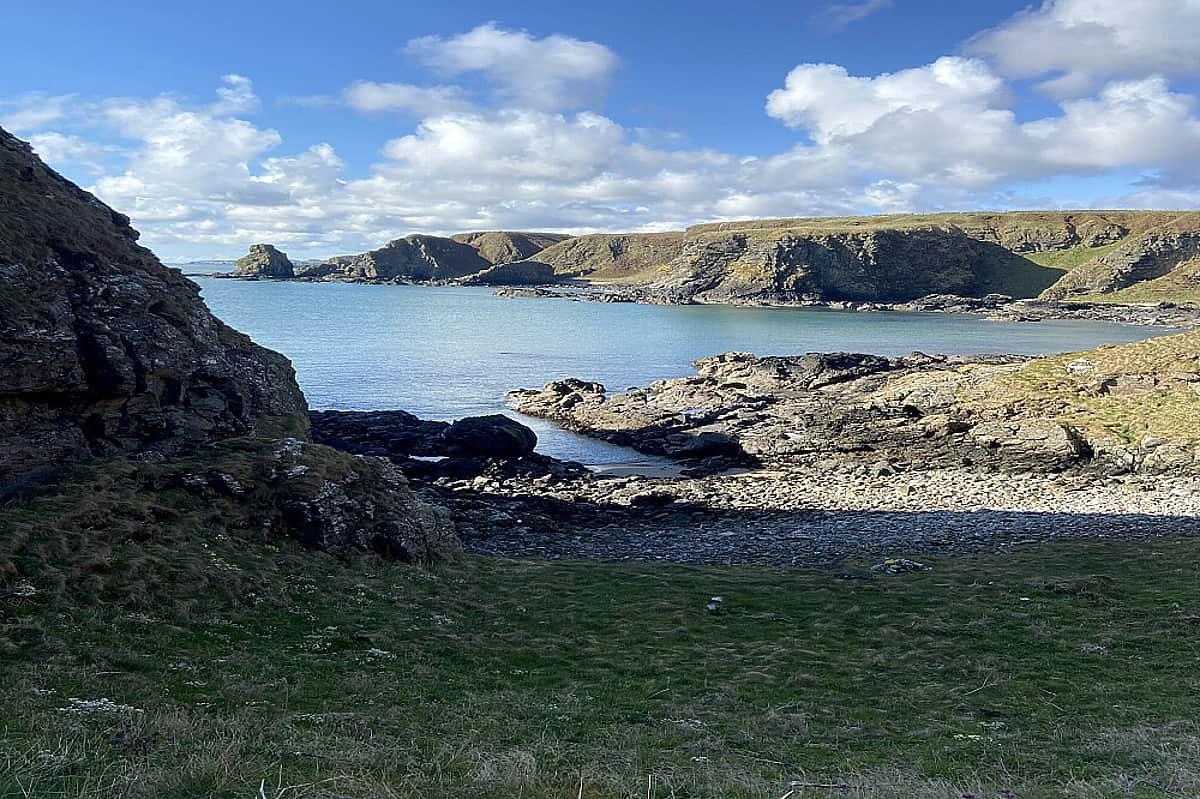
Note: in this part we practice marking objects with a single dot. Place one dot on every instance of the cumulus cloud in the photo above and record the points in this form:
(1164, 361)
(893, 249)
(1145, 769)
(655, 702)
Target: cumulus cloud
(836, 16)
(66, 149)
(554, 72)
(942, 135)
(827, 101)
(32, 111)
(235, 96)
(1082, 42)
(370, 97)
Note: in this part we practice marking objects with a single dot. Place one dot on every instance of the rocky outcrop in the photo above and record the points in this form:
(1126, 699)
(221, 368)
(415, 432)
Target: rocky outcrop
(1149, 257)
(415, 258)
(326, 499)
(513, 274)
(874, 265)
(103, 350)
(264, 260)
(481, 258)
(1004, 413)
(469, 447)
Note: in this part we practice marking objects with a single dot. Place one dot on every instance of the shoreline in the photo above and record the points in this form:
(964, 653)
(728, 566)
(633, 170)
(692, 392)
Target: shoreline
(1149, 314)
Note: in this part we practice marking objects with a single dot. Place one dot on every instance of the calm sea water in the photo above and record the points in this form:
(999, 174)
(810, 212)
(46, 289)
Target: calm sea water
(444, 353)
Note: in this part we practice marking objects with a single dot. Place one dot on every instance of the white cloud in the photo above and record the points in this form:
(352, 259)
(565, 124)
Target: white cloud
(369, 97)
(555, 72)
(942, 135)
(32, 111)
(236, 96)
(836, 16)
(61, 148)
(1081, 42)
(828, 102)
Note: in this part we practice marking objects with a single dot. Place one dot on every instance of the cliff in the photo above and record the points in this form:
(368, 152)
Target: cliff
(421, 259)
(106, 352)
(103, 349)
(902, 257)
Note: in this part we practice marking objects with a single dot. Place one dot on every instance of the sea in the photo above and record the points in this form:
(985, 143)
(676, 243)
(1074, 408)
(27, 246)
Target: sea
(449, 352)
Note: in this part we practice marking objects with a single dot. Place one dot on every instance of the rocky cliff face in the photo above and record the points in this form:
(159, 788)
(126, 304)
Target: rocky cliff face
(420, 258)
(264, 260)
(1153, 256)
(413, 258)
(104, 350)
(891, 258)
(875, 265)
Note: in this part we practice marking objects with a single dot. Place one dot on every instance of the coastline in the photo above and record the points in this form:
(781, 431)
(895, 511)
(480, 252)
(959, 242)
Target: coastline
(999, 308)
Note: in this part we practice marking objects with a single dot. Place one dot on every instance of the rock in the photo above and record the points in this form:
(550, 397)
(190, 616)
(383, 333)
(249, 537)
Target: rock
(264, 260)
(103, 350)
(512, 274)
(494, 436)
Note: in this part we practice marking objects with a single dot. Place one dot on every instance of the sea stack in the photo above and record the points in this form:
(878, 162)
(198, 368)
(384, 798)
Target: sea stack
(264, 260)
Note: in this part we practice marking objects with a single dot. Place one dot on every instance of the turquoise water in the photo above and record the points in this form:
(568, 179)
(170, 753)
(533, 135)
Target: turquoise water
(443, 352)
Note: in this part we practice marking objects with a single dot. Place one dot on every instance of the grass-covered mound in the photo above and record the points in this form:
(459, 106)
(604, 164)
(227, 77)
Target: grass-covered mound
(246, 666)
(1124, 393)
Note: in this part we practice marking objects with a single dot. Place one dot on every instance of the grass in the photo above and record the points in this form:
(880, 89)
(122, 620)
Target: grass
(1061, 670)
(1181, 285)
(1066, 260)
(1153, 390)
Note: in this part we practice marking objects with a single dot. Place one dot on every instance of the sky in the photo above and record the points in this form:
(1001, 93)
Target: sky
(330, 128)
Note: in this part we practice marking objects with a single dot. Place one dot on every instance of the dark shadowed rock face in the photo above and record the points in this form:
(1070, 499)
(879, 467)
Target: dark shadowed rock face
(264, 260)
(103, 350)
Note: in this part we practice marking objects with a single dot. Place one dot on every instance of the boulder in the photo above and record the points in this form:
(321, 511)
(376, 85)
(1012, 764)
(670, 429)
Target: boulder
(492, 436)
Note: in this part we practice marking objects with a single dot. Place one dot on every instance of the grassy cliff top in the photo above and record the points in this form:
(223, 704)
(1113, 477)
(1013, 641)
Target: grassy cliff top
(1135, 221)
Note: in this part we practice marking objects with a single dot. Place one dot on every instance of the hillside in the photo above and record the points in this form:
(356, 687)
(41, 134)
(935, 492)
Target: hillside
(503, 247)
(1086, 256)
(619, 257)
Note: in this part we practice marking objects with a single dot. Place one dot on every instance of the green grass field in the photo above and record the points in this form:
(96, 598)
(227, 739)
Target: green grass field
(1057, 671)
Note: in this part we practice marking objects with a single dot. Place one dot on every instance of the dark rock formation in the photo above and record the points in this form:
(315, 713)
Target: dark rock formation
(492, 436)
(513, 274)
(471, 447)
(104, 350)
(921, 410)
(264, 260)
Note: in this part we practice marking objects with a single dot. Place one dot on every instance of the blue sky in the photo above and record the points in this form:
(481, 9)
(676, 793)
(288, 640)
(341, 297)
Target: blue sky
(333, 127)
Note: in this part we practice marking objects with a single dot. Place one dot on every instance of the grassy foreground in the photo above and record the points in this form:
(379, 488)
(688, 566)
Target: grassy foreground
(1059, 670)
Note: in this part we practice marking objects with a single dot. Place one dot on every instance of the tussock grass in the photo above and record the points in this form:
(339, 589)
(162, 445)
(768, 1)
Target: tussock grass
(1063, 670)
(1124, 392)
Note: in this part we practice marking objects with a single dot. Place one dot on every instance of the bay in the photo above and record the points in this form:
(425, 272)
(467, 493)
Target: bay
(448, 352)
